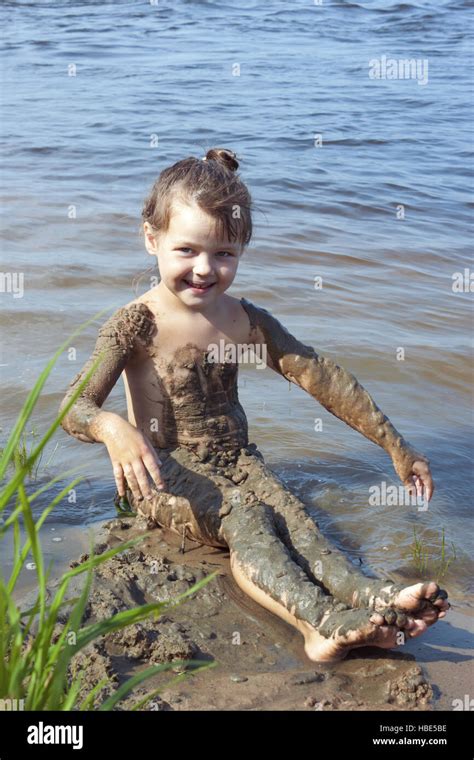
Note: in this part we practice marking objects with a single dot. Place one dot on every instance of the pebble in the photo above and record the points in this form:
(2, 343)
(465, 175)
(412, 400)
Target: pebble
(301, 679)
(238, 679)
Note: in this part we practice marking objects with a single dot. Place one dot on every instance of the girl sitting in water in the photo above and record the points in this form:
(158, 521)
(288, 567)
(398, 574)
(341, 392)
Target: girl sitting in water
(187, 430)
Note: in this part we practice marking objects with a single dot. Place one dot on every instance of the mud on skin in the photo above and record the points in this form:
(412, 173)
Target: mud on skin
(270, 660)
(221, 492)
(242, 505)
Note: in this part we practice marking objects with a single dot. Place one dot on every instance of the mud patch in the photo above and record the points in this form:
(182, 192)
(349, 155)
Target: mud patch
(261, 663)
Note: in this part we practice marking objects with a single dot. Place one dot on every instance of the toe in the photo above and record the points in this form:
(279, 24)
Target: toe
(429, 616)
(377, 618)
(441, 599)
(431, 591)
(389, 615)
(416, 629)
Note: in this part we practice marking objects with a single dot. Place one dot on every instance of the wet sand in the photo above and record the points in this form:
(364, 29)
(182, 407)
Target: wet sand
(261, 664)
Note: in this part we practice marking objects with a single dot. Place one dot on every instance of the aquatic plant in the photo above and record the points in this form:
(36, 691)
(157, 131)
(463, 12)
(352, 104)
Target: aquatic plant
(421, 556)
(35, 658)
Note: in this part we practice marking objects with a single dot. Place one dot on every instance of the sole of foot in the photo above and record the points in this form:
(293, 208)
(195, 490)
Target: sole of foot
(340, 632)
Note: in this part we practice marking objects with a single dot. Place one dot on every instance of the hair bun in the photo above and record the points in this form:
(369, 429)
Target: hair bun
(227, 158)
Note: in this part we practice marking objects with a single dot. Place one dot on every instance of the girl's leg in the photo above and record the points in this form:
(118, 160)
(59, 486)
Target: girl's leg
(204, 504)
(264, 569)
(326, 565)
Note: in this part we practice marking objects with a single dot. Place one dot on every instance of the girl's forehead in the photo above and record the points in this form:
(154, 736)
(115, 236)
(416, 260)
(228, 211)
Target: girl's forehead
(190, 215)
(192, 225)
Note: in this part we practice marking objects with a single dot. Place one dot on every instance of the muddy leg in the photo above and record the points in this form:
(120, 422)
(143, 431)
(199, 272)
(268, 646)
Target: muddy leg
(192, 501)
(259, 554)
(202, 499)
(325, 564)
(264, 569)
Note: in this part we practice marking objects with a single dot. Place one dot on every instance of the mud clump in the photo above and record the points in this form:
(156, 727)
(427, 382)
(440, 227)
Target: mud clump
(261, 663)
(410, 689)
(142, 641)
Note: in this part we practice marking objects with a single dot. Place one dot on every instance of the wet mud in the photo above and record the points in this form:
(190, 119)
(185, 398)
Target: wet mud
(260, 660)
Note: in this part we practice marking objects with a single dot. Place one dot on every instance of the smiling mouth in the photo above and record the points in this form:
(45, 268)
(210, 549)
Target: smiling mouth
(199, 286)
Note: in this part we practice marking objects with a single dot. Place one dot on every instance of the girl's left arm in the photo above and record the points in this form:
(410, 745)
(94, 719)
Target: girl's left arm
(340, 393)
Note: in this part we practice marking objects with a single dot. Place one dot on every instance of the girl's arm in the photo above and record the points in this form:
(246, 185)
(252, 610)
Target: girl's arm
(117, 340)
(339, 392)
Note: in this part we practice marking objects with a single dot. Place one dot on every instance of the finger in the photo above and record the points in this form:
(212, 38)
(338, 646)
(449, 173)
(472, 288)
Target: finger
(142, 479)
(429, 486)
(422, 470)
(132, 481)
(410, 486)
(151, 464)
(119, 479)
(426, 484)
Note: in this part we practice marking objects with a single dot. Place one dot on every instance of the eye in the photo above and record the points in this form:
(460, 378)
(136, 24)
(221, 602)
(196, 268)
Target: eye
(228, 253)
(184, 249)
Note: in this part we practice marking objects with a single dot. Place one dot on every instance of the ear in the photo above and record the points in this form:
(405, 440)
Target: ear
(151, 242)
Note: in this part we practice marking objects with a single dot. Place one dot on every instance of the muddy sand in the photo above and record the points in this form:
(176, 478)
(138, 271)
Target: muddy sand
(260, 660)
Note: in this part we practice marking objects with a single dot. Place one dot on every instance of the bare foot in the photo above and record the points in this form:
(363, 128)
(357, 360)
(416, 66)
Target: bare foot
(339, 632)
(423, 601)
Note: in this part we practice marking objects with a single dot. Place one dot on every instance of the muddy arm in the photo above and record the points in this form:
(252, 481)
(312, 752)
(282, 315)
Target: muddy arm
(335, 388)
(117, 341)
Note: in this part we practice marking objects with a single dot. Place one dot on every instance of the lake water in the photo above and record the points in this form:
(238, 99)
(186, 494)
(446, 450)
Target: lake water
(361, 181)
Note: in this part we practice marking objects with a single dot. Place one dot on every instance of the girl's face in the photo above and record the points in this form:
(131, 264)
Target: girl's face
(195, 266)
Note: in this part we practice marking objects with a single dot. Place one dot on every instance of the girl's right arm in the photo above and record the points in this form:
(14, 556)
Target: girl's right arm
(129, 450)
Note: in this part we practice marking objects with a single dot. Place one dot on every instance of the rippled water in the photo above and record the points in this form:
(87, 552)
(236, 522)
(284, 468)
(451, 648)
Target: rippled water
(331, 211)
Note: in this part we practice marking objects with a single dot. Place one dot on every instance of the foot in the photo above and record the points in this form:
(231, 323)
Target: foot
(339, 632)
(426, 602)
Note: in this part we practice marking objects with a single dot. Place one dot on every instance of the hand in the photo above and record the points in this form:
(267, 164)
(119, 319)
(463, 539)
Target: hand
(414, 471)
(131, 456)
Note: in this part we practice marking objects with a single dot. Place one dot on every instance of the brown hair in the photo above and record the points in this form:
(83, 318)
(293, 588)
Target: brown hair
(211, 183)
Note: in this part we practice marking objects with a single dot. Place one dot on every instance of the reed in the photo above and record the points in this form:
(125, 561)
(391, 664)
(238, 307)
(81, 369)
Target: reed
(437, 561)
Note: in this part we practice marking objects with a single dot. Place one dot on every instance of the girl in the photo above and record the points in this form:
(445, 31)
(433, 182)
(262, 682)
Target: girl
(187, 430)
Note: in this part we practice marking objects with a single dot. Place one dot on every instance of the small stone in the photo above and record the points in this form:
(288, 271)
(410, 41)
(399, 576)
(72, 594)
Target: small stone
(202, 452)
(304, 678)
(238, 679)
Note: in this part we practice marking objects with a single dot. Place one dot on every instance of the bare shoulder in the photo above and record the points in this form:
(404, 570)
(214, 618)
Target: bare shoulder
(151, 300)
(266, 328)
(260, 319)
(236, 319)
(133, 320)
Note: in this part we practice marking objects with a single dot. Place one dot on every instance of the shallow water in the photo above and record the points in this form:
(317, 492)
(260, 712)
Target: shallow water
(166, 70)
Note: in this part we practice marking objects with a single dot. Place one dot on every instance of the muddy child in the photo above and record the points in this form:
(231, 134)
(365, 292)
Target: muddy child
(183, 458)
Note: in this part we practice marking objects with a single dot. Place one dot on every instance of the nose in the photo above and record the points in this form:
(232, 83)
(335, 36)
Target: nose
(202, 266)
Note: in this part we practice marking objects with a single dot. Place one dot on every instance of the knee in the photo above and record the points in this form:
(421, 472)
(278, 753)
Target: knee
(249, 525)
